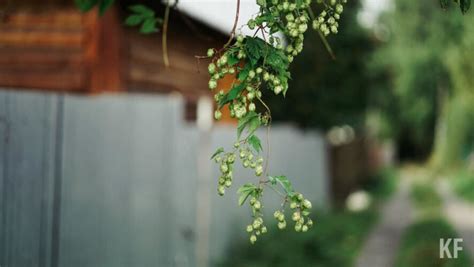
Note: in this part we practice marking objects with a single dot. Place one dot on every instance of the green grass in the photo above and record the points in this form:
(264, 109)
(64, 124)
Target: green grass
(464, 185)
(426, 200)
(420, 242)
(334, 240)
(420, 246)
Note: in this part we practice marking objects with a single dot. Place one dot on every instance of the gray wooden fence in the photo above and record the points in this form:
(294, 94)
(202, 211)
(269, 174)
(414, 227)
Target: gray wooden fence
(122, 180)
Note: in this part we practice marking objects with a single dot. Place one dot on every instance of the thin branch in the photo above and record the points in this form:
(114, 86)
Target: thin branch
(267, 137)
(164, 41)
(236, 21)
(322, 37)
(232, 33)
(327, 45)
(276, 191)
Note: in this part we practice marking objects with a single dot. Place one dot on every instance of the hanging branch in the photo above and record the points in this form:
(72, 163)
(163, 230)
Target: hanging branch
(164, 39)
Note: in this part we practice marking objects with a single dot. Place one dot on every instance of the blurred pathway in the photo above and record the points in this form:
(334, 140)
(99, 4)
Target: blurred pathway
(460, 214)
(382, 243)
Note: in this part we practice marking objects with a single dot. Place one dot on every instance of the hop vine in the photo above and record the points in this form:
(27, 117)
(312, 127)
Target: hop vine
(257, 65)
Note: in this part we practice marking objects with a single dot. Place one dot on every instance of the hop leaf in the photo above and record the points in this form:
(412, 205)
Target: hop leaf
(255, 142)
(87, 5)
(218, 151)
(245, 191)
(144, 16)
(284, 182)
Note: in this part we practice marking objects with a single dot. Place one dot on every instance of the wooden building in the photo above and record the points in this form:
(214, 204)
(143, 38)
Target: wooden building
(51, 46)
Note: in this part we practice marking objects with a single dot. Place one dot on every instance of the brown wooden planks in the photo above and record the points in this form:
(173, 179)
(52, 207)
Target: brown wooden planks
(60, 79)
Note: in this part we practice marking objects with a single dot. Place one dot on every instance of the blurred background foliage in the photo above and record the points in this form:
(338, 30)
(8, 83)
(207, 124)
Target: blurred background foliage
(327, 92)
(336, 239)
(409, 80)
(423, 65)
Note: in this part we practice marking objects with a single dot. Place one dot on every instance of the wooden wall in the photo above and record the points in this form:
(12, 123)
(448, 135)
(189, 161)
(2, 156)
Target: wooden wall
(61, 49)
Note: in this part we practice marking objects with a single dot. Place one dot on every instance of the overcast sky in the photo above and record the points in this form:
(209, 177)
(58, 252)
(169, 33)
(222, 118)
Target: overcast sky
(220, 14)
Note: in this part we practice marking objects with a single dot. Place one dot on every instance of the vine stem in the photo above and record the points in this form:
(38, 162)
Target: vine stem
(278, 192)
(236, 21)
(267, 138)
(232, 34)
(322, 37)
(164, 41)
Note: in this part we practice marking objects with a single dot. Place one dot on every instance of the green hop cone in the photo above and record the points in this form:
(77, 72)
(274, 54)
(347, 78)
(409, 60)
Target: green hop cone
(257, 205)
(224, 168)
(298, 227)
(212, 84)
(258, 170)
(307, 204)
(281, 217)
(252, 201)
(231, 159)
(211, 68)
(253, 239)
(300, 197)
(221, 190)
(249, 228)
(276, 214)
(210, 52)
(217, 114)
(296, 216)
(252, 107)
(282, 225)
(246, 163)
(256, 224)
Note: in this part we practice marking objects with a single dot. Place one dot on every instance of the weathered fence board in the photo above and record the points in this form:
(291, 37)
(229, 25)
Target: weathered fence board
(122, 180)
(28, 123)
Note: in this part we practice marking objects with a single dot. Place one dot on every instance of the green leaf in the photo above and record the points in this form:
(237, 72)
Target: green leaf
(244, 73)
(263, 18)
(254, 124)
(104, 5)
(255, 142)
(465, 5)
(232, 60)
(232, 94)
(148, 26)
(218, 151)
(86, 5)
(254, 48)
(262, 3)
(133, 20)
(284, 182)
(276, 60)
(244, 121)
(143, 10)
(245, 191)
